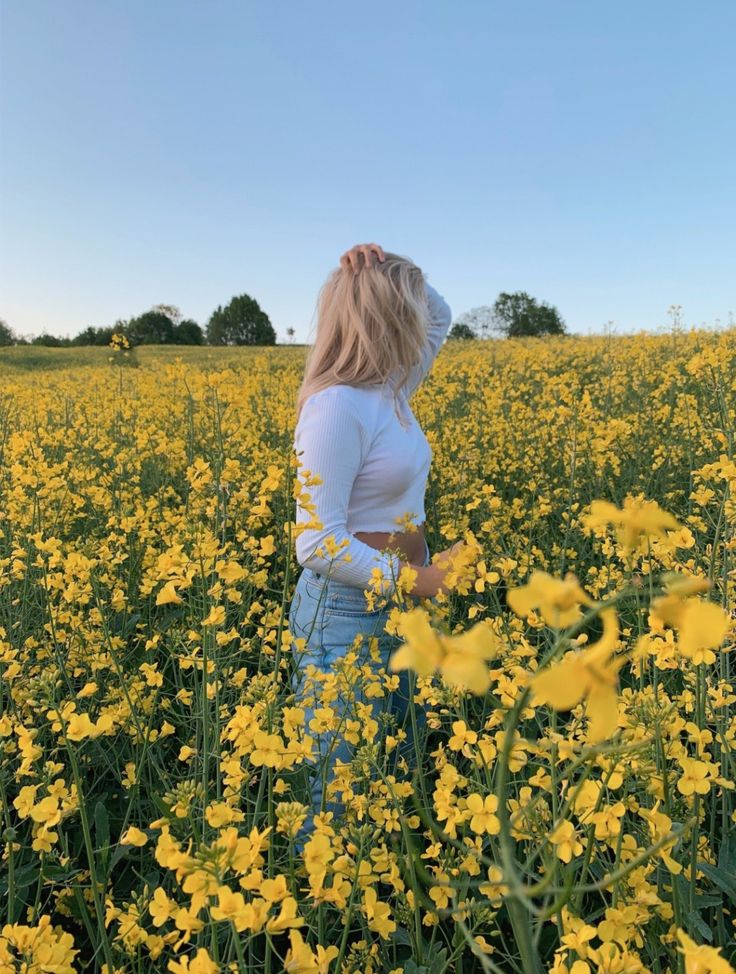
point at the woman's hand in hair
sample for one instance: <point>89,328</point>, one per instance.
<point>351,258</point>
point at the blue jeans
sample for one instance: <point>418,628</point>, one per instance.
<point>329,615</point>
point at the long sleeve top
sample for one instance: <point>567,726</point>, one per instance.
<point>373,467</point>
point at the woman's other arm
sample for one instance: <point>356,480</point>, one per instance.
<point>440,319</point>
<point>430,578</point>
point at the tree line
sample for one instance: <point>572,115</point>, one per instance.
<point>240,322</point>
<point>512,315</point>
<point>243,322</point>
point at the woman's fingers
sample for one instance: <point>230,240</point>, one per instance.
<point>368,253</point>
<point>351,258</point>
<point>368,248</point>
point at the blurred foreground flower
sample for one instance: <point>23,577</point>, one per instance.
<point>459,659</point>
<point>701,626</point>
<point>638,520</point>
<point>702,959</point>
<point>558,600</point>
<point>119,342</point>
<point>590,675</point>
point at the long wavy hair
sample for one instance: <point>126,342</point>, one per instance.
<point>371,328</point>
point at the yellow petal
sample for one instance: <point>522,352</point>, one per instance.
<point>460,670</point>
<point>167,595</point>
<point>563,684</point>
<point>703,625</point>
<point>414,657</point>
<point>602,711</point>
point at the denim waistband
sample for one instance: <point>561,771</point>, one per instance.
<point>335,584</point>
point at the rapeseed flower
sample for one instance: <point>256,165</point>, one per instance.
<point>145,529</point>
<point>702,959</point>
<point>589,675</point>
<point>638,520</point>
<point>701,626</point>
<point>460,660</point>
<point>558,600</point>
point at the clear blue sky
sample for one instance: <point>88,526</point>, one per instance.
<point>184,152</point>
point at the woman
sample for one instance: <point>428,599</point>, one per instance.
<point>380,327</point>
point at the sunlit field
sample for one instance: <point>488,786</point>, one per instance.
<point>573,810</point>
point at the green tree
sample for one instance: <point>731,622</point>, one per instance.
<point>517,315</point>
<point>461,330</point>
<point>188,332</point>
<point>151,328</point>
<point>95,336</point>
<point>479,320</point>
<point>6,333</point>
<point>170,310</point>
<point>50,341</point>
<point>241,322</point>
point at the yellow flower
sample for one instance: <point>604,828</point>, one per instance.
<point>461,737</point>
<point>318,853</point>
<point>377,914</point>
<point>268,749</point>
<point>485,577</point>
<point>638,520</point>
<point>134,836</point>
<point>168,595</point>
<point>160,907</point>
<point>287,918</point>
<point>201,964</point>
<point>79,727</point>
<point>566,841</point>
<point>25,800</point>
<point>459,659</point>
<point>660,825</point>
<point>558,600</point>
<point>590,675</point>
<point>701,626</point>
<point>702,959</point>
<point>494,889</point>
<point>422,650</point>
<point>231,906</point>
<point>219,814</point>
<point>463,664</point>
<point>299,958</point>
<point>483,820</point>
<point>47,811</point>
<point>216,616</point>
<point>696,777</point>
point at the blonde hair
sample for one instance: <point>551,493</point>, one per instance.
<point>371,327</point>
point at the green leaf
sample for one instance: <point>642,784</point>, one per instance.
<point>720,878</point>
<point>401,936</point>
<point>102,832</point>
<point>727,855</point>
<point>696,922</point>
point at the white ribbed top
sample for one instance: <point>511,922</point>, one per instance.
<point>373,466</point>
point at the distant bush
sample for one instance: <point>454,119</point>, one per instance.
<point>51,341</point>
<point>94,336</point>
<point>461,330</point>
<point>188,332</point>
<point>6,334</point>
<point>241,322</point>
<point>519,315</point>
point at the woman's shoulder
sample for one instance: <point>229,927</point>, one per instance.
<point>344,392</point>
<point>362,404</point>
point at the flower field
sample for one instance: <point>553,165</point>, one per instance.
<point>573,807</point>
